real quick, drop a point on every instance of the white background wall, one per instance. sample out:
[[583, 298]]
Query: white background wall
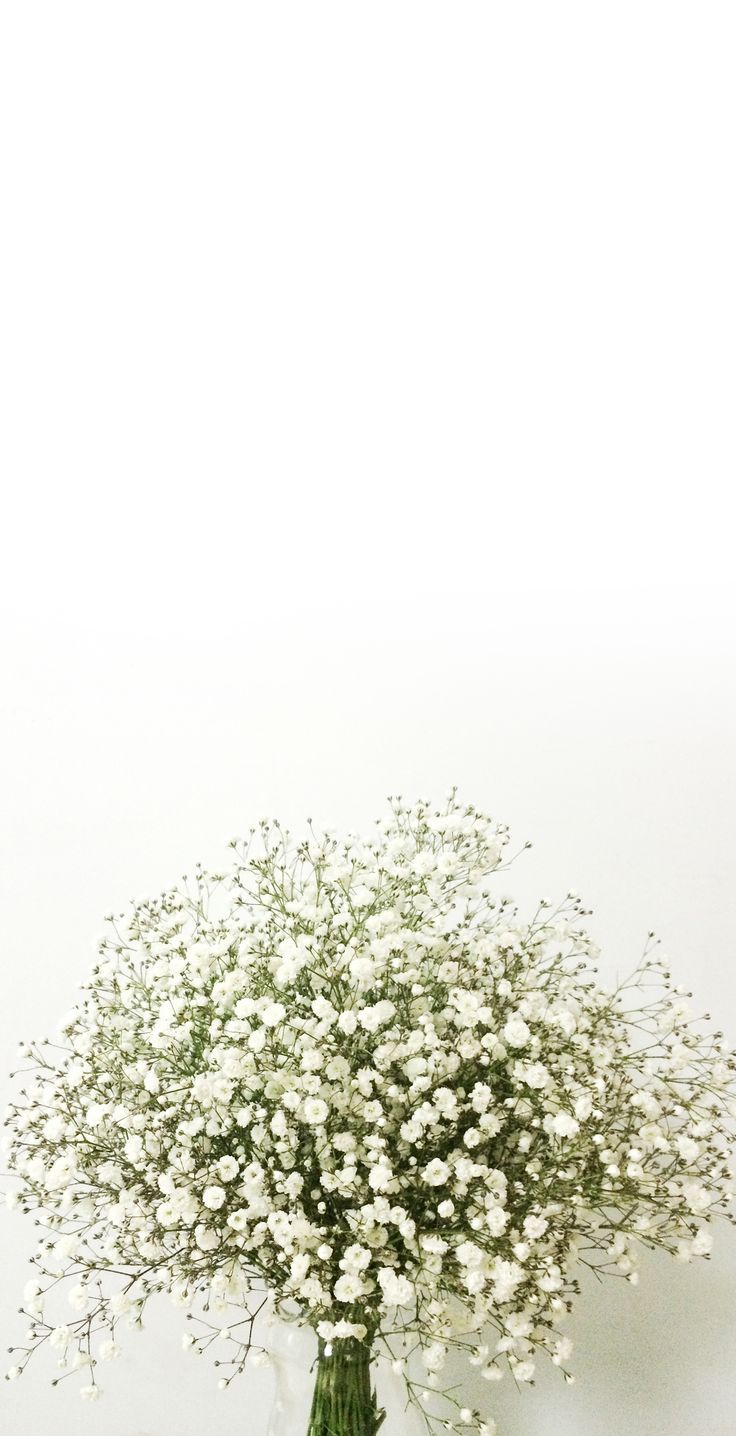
[[366, 378]]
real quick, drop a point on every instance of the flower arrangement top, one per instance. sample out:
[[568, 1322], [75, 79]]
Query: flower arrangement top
[[350, 1074]]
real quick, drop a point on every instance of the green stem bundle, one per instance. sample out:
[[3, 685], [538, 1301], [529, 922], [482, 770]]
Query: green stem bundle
[[344, 1402]]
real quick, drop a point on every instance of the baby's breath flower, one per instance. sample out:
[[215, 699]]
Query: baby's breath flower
[[354, 1074]]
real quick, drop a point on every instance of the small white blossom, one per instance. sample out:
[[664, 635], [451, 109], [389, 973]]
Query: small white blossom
[[349, 1287], [397, 1290], [515, 1032], [436, 1173], [273, 1014], [563, 1125], [315, 1111], [214, 1197]]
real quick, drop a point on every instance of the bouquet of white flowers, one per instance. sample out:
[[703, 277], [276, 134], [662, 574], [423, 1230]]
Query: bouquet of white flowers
[[346, 1073]]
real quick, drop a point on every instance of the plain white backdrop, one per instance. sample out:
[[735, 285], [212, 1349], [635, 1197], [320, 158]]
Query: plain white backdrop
[[367, 385]]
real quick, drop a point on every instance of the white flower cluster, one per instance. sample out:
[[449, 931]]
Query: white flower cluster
[[347, 1072]]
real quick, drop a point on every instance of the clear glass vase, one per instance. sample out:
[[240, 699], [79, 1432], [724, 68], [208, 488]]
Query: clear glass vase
[[300, 1366], [293, 1355], [401, 1419]]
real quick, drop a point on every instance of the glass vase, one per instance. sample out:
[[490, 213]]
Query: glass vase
[[334, 1389]]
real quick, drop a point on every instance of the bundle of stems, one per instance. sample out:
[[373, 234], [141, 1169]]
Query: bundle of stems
[[344, 1402]]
